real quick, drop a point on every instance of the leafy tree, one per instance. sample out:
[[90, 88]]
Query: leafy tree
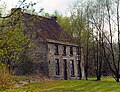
[[105, 14], [76, 26], [5, 77], [13, 41], [96, 18]]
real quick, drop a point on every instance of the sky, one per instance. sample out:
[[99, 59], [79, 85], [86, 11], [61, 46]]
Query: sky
[[49, 5]]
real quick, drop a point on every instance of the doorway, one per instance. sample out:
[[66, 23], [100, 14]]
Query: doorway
[[65, 69]]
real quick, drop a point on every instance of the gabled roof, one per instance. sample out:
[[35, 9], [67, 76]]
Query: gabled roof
[[48, 28]]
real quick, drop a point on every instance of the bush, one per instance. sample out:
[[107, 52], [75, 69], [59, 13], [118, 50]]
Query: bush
[[25, 66], [6, 81]]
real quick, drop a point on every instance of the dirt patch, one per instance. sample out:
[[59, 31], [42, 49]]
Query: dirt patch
[[30, 79]]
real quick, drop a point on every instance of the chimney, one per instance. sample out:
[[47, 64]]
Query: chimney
[[16, 13], [54, 17], [16, 10]]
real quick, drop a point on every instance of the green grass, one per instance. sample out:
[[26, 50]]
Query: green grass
[[106, 85]]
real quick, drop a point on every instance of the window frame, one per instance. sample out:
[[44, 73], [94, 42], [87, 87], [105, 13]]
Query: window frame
[[64, 50], [56, 51], [72, 71], [57, 67], [78, 68], [71, 50], [77, 50]]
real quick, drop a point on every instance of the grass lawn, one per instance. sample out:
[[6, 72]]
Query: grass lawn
[[106, 85]]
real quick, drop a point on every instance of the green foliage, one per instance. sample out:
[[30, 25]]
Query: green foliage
[[12, 41], [64, 21], [25, 65], [5, 77]]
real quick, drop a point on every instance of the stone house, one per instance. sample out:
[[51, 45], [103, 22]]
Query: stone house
[[54, 52]]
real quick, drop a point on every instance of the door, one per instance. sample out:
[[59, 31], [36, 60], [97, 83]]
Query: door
[[79, 69], [65, 69]]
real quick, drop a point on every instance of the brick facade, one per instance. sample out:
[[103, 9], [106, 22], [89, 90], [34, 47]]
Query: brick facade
[[60, 56]]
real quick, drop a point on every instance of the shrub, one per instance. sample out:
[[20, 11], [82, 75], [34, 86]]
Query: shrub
[[25, 66], [6, 81]]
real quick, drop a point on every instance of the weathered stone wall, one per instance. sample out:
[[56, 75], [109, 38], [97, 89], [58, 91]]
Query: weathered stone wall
[[38, 53]]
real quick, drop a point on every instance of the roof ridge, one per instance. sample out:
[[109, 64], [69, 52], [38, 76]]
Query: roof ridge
[[37, 15]]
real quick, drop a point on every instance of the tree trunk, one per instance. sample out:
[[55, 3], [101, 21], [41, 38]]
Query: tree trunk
[[99, 78], [117, 77]]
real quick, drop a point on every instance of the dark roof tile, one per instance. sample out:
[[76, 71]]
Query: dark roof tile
[[49, 28]]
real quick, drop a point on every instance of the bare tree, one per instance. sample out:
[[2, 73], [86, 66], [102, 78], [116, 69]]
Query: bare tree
[[106, 44], [115, 60]]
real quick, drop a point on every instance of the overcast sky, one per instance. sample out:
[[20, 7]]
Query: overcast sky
[[49, 5]]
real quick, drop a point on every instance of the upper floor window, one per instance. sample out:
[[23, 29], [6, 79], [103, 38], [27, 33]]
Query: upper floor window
[[64, 50], [77, 50], [57, 66], [56, 49], [72, 67], [71, 50]]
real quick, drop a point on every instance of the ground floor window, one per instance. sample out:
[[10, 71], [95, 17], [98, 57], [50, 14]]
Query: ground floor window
[[72, 67], [57, 66], [65, 68], [78, 67]]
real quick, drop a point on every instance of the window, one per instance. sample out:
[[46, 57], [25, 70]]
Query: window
[[71, 50], [72, 67], [77, 50], [78, 67], [57, 66], [65, 68], [56, 49], [64, 50]]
